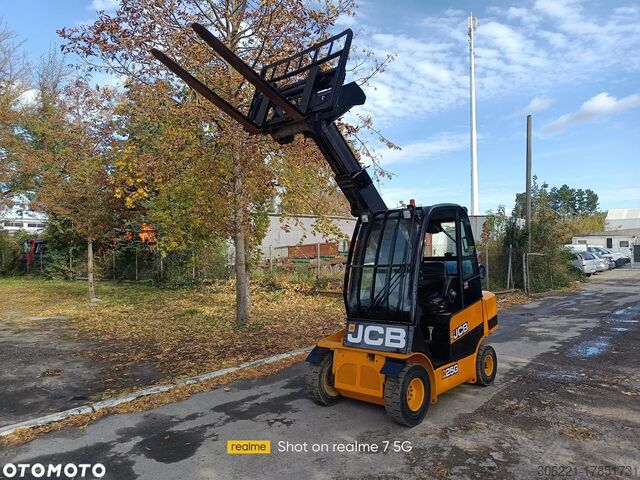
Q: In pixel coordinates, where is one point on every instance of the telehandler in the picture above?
(416, 316)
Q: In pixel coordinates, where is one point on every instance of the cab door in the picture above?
(466, 326)
(470, 271)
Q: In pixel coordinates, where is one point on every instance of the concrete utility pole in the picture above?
(475, 206)
(528, 192)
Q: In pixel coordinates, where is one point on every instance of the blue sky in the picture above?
(573, 64)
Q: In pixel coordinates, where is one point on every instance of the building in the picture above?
(299, 230)
(22, 219)
(284, 232)
(623, 219)
(625, 241)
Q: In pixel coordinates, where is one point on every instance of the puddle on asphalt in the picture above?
(591, 348)
(561, 375)
(626, 315)
(620, 329)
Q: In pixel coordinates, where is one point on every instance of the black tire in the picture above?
(483, 377)
(319, 382)
(396, 395)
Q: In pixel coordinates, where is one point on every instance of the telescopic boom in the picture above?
(303, 94)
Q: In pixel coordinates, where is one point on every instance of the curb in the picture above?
(112, 402)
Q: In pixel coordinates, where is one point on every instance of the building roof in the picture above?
(625, 232)
(623, 214)
(20, 213)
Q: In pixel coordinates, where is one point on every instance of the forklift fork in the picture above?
(303, 93)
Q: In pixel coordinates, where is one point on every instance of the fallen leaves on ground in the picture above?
(578, 432)
(506, 300)
(181, 332)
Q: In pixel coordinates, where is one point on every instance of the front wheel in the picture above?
(319, 382)
(486, 365)
(407, 396)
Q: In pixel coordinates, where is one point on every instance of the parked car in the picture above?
(612, 262)
(620, 258)
(602, 252)
(585, 262)
(602, 262)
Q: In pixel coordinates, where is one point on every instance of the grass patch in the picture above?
(180, 331)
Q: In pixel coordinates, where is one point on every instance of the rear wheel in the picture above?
(319, 382)
(486, 365)
(407, 396)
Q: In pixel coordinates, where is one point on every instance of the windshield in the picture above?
(379, 276)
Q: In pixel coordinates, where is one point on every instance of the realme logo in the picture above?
(249, 447)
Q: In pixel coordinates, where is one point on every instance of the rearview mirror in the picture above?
(483, 272)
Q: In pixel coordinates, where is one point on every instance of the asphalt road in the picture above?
(47, 369)
(565, 401)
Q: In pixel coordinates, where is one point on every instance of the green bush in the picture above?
(56, 265)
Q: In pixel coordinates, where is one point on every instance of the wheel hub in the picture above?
(488, 365)
(415, 394)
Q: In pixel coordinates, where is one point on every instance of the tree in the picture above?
(14, 82)
(64, 140)
(565, 201)
(239, 175)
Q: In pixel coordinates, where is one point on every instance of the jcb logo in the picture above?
(460, 331)
(377, 335)
(452, 370)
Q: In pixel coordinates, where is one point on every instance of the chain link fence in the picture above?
(512, 268)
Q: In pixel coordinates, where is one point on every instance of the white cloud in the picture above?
(598, 106)
(346, 20)
(519, 50)
(28, 98)
(426, 149)
(107, 5)
(537, 104)
(558, 8)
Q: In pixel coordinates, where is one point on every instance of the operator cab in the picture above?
(415, 268)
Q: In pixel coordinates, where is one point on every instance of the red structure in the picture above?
(32, 248)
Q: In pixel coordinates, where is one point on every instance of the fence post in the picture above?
(193, 268)
(317, 260)
(486, 256)
(509, 279)
(528, 275)
(550, 272)
(113, 263)
(136, 264)
(271, 259)
(524, 272)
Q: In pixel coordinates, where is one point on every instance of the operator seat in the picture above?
(432, 277)
(436, 303)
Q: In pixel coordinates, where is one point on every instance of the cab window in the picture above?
(470, 267)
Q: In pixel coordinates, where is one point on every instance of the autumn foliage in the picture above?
(193, 170)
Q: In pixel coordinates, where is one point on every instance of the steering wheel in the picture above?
(449, 291)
